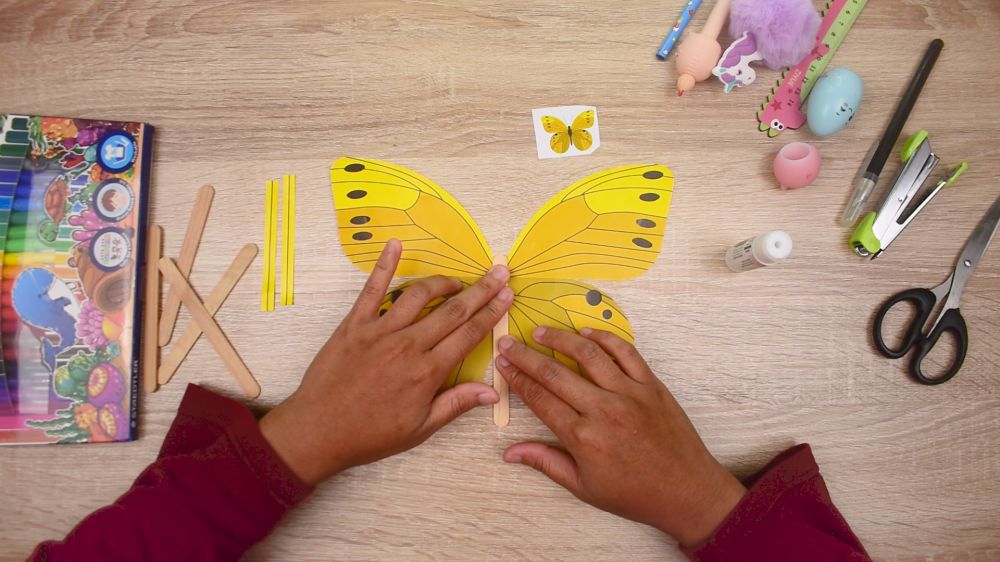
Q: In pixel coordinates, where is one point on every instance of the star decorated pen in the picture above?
(870, 170)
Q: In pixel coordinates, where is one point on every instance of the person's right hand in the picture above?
(630, 449)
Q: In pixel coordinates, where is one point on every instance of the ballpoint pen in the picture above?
(872, 166)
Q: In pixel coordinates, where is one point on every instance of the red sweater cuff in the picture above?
(201, 406)
(786, 514)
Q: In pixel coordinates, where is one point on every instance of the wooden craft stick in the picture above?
(213, 303)
(501, 410)
(151, 310)
(201, 316)
(189, 248)
(267, 273)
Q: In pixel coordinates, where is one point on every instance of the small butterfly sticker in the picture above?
(566, 131)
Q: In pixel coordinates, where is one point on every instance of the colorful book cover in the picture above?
(72, 227)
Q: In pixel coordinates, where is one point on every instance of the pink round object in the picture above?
(796, 165)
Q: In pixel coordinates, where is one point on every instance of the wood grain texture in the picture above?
(243, 91)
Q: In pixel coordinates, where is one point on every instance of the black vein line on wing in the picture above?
(468, 261)
(608, 301)
(529, 269)
(520, 330)
(433, 191)
(359, 262)
(522, 304)
(540, 218)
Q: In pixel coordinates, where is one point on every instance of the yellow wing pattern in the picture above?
(472, 368)
(376, 201)
(607, 226)
(570, 305)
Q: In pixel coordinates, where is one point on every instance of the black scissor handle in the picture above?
(924, 300)
(953, 322)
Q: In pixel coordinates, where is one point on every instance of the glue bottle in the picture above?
(767, 249)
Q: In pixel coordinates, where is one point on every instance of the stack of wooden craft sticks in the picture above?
(158, 325)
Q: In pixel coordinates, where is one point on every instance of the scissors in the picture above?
(926, 300)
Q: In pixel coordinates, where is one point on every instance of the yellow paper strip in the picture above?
(274, 245)
(267, 246)
(270, 245)
(286, 189)
(290, 256)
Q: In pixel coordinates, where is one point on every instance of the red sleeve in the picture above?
(216, 488)
(786, 514)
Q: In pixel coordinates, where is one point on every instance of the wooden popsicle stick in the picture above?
(189, 248)
(151, 310)
(213, 303)
(179, 284)
(501, 410)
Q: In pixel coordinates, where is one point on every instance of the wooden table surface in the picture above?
(243, 91)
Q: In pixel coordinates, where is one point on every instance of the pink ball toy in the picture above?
(796, 165)
(785, 30)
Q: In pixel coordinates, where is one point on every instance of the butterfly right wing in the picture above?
(582, 139)
(568, 305)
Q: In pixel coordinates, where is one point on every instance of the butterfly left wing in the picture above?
(559, 143)
(473, 367)
(607, 226)
(569, 305)
(377, 201)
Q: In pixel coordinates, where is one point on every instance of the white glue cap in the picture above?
(772, 247)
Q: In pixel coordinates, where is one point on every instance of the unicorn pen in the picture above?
(699, 52)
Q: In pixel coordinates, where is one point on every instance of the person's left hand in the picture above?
(370, 392)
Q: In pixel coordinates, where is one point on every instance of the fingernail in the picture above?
(586, 331)
(514, 459)
(503, 362)
(539, 333)
(487, 398)
(505, 343)
(456, 281)
(499, 273)
(506, 294)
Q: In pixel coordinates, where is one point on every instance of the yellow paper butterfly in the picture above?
(608, 226)
(576, 133)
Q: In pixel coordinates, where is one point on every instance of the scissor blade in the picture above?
(974, 250)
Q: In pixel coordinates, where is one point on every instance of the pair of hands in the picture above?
(371, 392)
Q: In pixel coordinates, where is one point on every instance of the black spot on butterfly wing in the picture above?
(361, 219)
(355, 167)
(653, 175)
(642, 242)
(644, 223)
(594, 297)
(648, 197)
(607, 314)
(394, 296)
(362, 236)
(356, 194)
